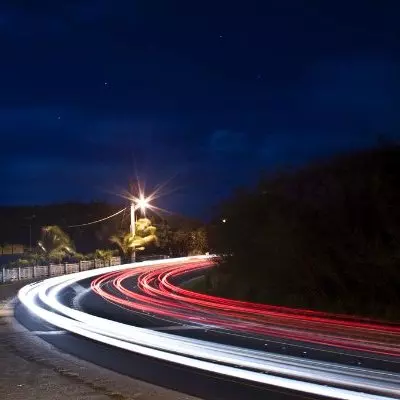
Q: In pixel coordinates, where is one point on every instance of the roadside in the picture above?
(9, 290)
(197, 284)
(33, 369)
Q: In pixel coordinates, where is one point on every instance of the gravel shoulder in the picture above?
(31, 368)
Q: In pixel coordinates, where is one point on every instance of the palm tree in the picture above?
(128, 244)
(55, 243)
(122, 240)
(145, 234)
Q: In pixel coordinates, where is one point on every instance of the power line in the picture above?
(99, 220)
(123, 218)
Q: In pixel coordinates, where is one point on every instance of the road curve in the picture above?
(151, 291)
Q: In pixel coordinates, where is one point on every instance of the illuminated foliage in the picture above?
(145, 235)
(55, 243)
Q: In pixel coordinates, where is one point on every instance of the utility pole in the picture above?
(30, 238)
(30, 231)
(136, 203)
(133, 229)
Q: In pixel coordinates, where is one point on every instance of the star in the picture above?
(221, 36)
(58, 117)
(105, 83)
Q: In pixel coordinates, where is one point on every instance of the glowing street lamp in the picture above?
(137, 203)
(142, 203)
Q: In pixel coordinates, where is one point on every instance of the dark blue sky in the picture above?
(209, 93)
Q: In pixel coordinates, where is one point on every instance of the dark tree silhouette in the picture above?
(324, 237)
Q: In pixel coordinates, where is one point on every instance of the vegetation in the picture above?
(173, 235)
(145, 233)
(23, 220)
(55, 243)
(123, 241)
(104, 255)
(190, 243)
(326, 237)
(165, 237)
(162, 238)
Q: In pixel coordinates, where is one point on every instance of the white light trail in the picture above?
(304, 375)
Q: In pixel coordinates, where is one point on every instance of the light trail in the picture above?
(159, 296)
(304, 375)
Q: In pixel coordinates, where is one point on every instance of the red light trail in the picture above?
(156, 293)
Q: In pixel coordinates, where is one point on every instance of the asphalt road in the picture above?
(93, 304)
(187, 380)
(184, 379)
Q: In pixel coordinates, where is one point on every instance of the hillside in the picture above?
(325, 237)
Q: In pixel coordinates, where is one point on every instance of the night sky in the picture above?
(202, 94)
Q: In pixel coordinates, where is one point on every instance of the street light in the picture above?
(142, 203)
(136, 204)
(30, 230)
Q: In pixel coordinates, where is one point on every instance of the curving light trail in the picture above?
(158, 295)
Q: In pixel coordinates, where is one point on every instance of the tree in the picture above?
(165, 237)
(55, 243)
(180, 241)
(190, 242)
(122, 240)
(128, 244)
(325, 237)
(104, 255)
(198, 242)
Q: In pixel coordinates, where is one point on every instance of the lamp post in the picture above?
(30, 230)
(141, 203)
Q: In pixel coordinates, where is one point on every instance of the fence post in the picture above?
(4, 275)
(19, 273)
(33, 272)
(48, 270)
(65, 268)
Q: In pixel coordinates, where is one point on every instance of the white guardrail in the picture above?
(42, 271)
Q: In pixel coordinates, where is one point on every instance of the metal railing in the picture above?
(43, 271)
